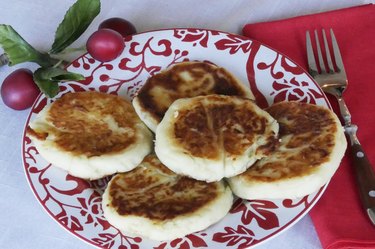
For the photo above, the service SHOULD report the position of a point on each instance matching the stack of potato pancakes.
(191, 138)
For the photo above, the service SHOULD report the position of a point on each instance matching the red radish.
(105, 45)
(124, 27)
(19, 90)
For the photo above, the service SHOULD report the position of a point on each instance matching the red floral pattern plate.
(76, 204)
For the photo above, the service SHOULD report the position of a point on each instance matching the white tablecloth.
(23, 222)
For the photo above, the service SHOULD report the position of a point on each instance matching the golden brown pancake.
(312, 144)
(154, 202)
(91, 134)
(214, 136)
(184, 80)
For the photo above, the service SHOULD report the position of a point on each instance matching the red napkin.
(338, 216)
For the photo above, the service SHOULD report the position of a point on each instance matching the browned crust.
(38, 135)
(313, 130)
(77, 122)
(152, 191)
(175, 88)
(227, 125)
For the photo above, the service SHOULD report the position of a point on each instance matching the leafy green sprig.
(76, 20)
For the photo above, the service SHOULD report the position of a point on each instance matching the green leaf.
(47, 79)
(76, 21)
(18, 50)
(48, 87)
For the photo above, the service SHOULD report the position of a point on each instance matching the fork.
(334, 82)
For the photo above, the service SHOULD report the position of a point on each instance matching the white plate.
(75, 203)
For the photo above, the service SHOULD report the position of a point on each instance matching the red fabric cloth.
(338, 216)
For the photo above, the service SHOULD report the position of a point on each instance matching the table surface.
(23, 221)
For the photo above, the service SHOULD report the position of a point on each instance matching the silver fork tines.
(335, 82)
(337, 54)
(331, 81)
(313, 70)
(328, 54)
(320, 57)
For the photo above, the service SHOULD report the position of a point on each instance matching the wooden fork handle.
(365, 176)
